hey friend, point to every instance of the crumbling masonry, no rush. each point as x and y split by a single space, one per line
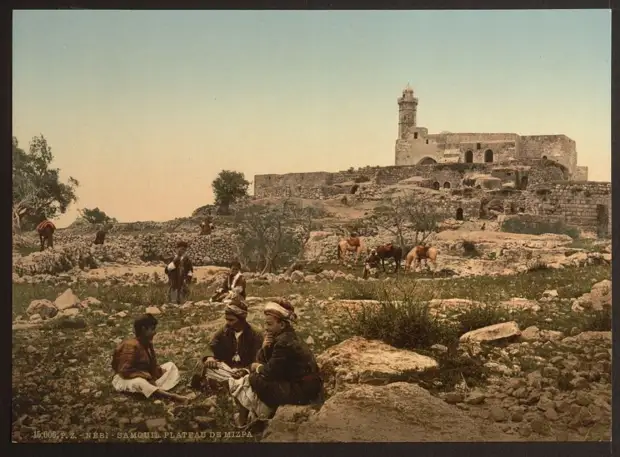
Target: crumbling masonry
536 174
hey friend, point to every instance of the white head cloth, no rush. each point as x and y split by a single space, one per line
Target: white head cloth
280 311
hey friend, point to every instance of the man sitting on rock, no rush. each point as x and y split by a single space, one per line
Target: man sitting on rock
371 264
136 367
286 372
236 344
180 273
233 282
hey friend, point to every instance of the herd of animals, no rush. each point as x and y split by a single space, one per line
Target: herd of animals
413 258
353 244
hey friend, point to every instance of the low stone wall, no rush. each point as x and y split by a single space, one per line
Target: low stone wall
76 250
586 205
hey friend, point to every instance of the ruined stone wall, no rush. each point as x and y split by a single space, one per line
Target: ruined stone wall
581 174
586 205
545 171
449 172
302 185
558 148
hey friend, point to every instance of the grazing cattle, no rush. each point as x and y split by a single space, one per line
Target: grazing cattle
390 251
206 227
348 245
419 253
100 236
46 230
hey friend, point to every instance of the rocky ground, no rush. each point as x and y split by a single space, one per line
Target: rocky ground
536 367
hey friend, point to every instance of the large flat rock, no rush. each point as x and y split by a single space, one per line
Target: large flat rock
398 412
361 361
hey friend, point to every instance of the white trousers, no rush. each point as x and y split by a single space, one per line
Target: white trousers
169 379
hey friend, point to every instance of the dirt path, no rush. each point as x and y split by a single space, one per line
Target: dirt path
200 273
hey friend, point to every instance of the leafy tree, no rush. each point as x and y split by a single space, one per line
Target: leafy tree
38 192
96 216
229 187
411 212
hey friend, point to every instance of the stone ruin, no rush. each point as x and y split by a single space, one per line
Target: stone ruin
474 175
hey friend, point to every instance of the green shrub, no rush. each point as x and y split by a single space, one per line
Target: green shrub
406 325
480 316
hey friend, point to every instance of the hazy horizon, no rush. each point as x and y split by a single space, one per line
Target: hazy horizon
145 108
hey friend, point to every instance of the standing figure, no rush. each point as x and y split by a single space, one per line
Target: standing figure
46 229
180 273
371 265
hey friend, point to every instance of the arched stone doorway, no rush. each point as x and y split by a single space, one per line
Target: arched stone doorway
427 161
469 156
446 185
436 185
488 156
459 214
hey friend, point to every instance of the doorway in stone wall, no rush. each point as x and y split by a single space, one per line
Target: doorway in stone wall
602 221
469 157
459 214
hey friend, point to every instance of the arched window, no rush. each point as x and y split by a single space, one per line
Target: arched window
469 156
446 185
488 156
436 185
459 214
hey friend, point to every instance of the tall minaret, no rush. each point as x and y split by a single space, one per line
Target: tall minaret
407 111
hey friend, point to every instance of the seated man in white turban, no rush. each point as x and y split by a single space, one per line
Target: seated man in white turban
286 371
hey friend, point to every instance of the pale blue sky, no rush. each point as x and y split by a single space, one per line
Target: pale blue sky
146 107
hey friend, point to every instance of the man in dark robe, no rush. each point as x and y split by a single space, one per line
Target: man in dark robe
286 372
233 282
236 344
180 273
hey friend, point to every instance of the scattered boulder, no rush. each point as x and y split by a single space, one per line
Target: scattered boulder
497 332
43 308
398 412
361 361
67 300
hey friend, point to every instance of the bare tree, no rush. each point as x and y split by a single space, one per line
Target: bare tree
412 212
271 235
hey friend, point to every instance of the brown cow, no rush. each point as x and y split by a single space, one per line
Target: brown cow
419 253
390 251
348 245
46 230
